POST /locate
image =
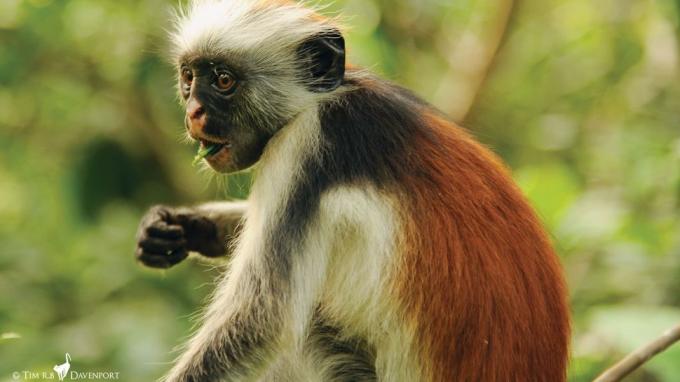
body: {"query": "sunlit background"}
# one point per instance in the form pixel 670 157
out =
pixel 580 97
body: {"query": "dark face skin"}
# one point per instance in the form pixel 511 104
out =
pixel 215 96
pixel 221 97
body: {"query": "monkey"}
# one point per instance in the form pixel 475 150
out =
pixel 379 242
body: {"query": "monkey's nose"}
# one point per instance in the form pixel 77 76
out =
pixel 195 117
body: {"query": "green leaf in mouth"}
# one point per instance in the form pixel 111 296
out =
pixel 205 152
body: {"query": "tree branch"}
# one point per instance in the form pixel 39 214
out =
pixel 635 359
pixel 471 61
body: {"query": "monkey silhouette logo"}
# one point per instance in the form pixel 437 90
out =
pixel 63 368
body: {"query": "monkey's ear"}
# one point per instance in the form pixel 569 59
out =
pixel 323 57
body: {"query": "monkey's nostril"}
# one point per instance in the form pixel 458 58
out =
pixel 195 118
pixel 195 109
pixel 196 113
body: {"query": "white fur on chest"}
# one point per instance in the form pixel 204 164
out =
pixel 362 255
pixel 363 264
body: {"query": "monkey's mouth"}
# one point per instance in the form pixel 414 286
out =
pixel 213 148
pixel 217 154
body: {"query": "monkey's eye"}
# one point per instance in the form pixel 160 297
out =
pixel 186 77
pixel 225 81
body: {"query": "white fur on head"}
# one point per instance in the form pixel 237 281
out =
pixel 267 27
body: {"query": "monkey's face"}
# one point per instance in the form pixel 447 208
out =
pixel 234 107
pixel 222 115
pixel 247 69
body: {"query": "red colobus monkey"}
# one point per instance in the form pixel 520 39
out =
pixel 379 242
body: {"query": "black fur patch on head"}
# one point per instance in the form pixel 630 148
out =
pixel 323 60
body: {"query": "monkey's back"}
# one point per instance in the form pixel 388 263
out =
pixel 480 280
pixel 491 301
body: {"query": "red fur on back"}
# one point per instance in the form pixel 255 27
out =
pixel 483 283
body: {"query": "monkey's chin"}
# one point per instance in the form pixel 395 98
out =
pixel 222 161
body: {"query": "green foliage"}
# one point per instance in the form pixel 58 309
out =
pixel 582 101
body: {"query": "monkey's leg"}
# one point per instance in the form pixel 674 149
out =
pixel 340 358
pixel 244 325
pixel 327 356
pixel 292 366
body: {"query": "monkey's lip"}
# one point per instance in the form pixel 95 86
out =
pixel 222 145
pixel 221 158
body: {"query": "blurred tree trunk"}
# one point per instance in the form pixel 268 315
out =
pixel 471 60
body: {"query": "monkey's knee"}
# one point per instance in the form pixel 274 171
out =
pixel 340 358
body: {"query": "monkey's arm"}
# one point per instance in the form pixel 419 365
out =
pixel 167 234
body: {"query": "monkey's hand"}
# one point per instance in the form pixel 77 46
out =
pixel 166 235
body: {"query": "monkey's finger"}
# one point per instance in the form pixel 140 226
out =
pixel 166 231
pixel 161 246
pixel 190 221
pixel 155 260
pixel 175 257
